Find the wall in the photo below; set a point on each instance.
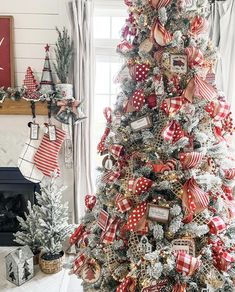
(34, 27)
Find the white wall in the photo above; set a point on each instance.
(34, 27)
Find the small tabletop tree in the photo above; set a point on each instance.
(53, 225)
(63, 54)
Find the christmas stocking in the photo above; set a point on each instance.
(46, 157)
(26, 163)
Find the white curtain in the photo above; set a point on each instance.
(82, 26)
(223, 36)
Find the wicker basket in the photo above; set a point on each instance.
(51, 266)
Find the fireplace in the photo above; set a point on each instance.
(15, 191)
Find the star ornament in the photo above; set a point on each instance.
(47, 47)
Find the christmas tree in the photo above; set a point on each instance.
(163, 217)
(47, 84)
(52, 214)
(31, 86)
(27, 235)
(26, 271)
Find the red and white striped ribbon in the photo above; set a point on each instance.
(194, 198)
(195, 56)
(160, 35)
(204, 89)
(191, 160)
(199, 25)
(159, 3)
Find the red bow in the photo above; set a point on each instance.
(68, 104)
(108, 116)
(173, 132)
(194, 198)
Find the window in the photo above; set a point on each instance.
(108, 21)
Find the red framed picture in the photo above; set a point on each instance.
(6, 51)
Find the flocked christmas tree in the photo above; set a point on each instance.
(163, 217)
(45, 226)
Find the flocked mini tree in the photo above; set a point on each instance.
(52, 214)
(163, 215)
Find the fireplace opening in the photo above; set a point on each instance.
(15, 191)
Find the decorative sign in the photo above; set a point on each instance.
(34, 131)
(52, 132)
(179, 64)
(6, 52)
(178, 248)
(141, 123)
(184, 244)
(158, 213)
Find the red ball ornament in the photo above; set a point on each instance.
(151, 101)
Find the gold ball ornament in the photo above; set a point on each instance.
(169, 235)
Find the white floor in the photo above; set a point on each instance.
(60, 282)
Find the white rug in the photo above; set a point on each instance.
(59, 282)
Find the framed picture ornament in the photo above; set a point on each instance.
(178, 63)
(157, 213)
(141, 123)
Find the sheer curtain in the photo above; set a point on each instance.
(223, 36)
(82, 26)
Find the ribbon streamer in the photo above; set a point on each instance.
(128, 285)
(172, 105)
(137, 221)
(195, 57)
(109, 234)
(160, 35)
(186, 264)
(172, 132)
(191, 159)
(159, 3)
(194, 198)
(199, 25)
(108, 116)
(218, 110)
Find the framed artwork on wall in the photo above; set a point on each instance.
(6, 51)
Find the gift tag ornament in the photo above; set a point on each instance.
(34, 131)
(52, 132)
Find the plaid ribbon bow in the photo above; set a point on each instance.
(108, 116)
(172, 105)
(173, 132)
(109, 234)
(186, 264)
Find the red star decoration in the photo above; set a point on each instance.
(47, 48)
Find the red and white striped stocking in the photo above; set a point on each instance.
(46, 157)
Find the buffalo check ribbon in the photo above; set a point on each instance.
(109, 234)
(172, 132)
(172, 105)
(218, 110)
(186, 264)
(195, 56)
(108, 116)
(79, 263)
